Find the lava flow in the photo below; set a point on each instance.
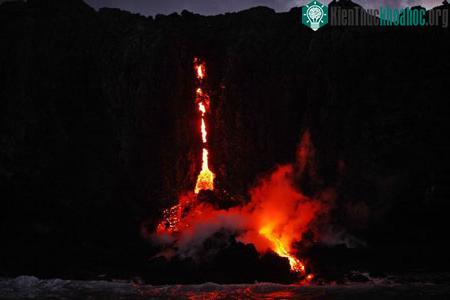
(205, 179)
(280, 248)
(173, 217)
(275, 218)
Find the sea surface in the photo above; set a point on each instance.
(434, 286)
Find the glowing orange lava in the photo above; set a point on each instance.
(282, 249)
(275, 218)
(204, 132)
(205, 179)
(202, 109)
(201, 70)
(173, 217)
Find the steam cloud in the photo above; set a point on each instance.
(278, 212)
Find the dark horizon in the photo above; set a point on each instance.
(215, 7)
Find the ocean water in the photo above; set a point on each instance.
(28, 287)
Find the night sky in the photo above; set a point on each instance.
(212, 7)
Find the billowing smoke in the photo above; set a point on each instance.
(276, 217)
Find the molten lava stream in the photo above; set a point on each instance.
(282, 250)
(263, 221)
(205, 179)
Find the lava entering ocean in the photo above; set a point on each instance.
(275, 218)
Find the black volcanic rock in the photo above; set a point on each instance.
(223, 260)
(98, 128)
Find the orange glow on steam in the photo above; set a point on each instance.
(275, 218)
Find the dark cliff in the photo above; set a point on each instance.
(97, 132)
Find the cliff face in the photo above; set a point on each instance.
(98, 131)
